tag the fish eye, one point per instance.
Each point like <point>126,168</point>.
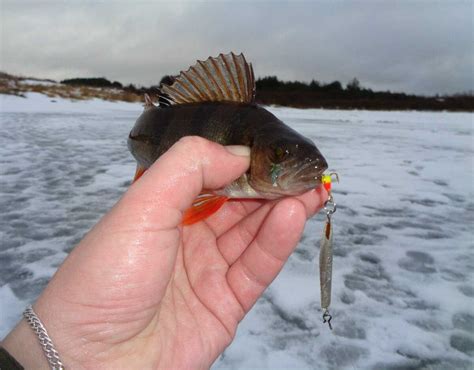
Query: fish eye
<point>280,153</point>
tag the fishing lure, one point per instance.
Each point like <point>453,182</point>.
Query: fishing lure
<point>325,252</point>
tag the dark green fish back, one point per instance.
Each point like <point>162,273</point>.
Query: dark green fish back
<point>157,129</point>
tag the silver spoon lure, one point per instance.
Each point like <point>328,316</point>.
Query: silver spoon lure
<point>326,251</point>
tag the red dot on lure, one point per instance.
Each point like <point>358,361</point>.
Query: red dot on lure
<point>327,182</point>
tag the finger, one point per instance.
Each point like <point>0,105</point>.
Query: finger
<point>234,241</point>
<point>231,213</point>
<point>259,264</point>
<point>313,200</point>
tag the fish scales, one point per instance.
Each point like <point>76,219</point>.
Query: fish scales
<point>224,123</point>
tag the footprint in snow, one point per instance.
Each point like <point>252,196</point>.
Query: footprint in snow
<point>420,262</point>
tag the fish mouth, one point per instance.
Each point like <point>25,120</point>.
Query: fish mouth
<point>293,179</point>
<point>306,177</point>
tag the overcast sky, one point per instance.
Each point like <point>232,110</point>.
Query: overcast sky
<point>422,47</point>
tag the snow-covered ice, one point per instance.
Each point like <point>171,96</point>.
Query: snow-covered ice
<point>403,287</point>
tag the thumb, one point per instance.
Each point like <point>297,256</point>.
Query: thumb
<point>175,180</point>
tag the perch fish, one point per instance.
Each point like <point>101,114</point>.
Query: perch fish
<point>215,99</point>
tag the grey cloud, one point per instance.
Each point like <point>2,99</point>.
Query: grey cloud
<point>415,46</point>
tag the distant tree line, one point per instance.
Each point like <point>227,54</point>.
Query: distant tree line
<point>315,94</point>
<point>273,83</point>
<point>353,88</point>
<point>271,90</point>
<point>93,82</point>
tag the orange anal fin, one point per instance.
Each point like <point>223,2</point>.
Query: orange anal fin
<point>204,206</point>
<point>139,172</point>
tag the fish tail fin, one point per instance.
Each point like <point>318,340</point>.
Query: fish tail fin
<point>139,172</point>
<point>204,206</point>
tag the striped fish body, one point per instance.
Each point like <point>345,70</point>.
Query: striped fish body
<point>156,130</point>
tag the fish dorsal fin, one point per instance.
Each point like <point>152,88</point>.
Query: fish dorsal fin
<point>148,102</point>
<point>225,78</point>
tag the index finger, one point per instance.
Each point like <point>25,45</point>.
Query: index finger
<point>260,263</point>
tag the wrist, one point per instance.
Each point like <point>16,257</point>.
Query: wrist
<point>23,344</point>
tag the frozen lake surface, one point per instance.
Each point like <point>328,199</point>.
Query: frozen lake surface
<point>403,286</point>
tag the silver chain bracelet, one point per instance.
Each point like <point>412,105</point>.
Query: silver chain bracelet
<point>44,339</point>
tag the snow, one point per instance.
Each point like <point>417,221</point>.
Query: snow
<point>38,82</point>
<point>403,286</point>
<point>40,103</point>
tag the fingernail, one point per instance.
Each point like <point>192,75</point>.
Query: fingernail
<point>240,150</point>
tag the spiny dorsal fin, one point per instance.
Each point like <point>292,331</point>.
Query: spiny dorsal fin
<point>148,102</point>
<point>225,78</point>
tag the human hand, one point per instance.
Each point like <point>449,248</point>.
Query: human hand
<point>141,291</point>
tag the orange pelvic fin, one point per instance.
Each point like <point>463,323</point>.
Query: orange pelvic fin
<point>204,206</point>
<point>139,172</point>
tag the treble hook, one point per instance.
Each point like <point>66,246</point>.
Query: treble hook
<point>336,176</point>
<point>327,318</point>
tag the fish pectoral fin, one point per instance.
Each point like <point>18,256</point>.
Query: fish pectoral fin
<point>226,78</point>
<point>204,206</point>
<point>139,172</point>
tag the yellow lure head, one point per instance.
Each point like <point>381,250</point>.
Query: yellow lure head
<point>327,180</point>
